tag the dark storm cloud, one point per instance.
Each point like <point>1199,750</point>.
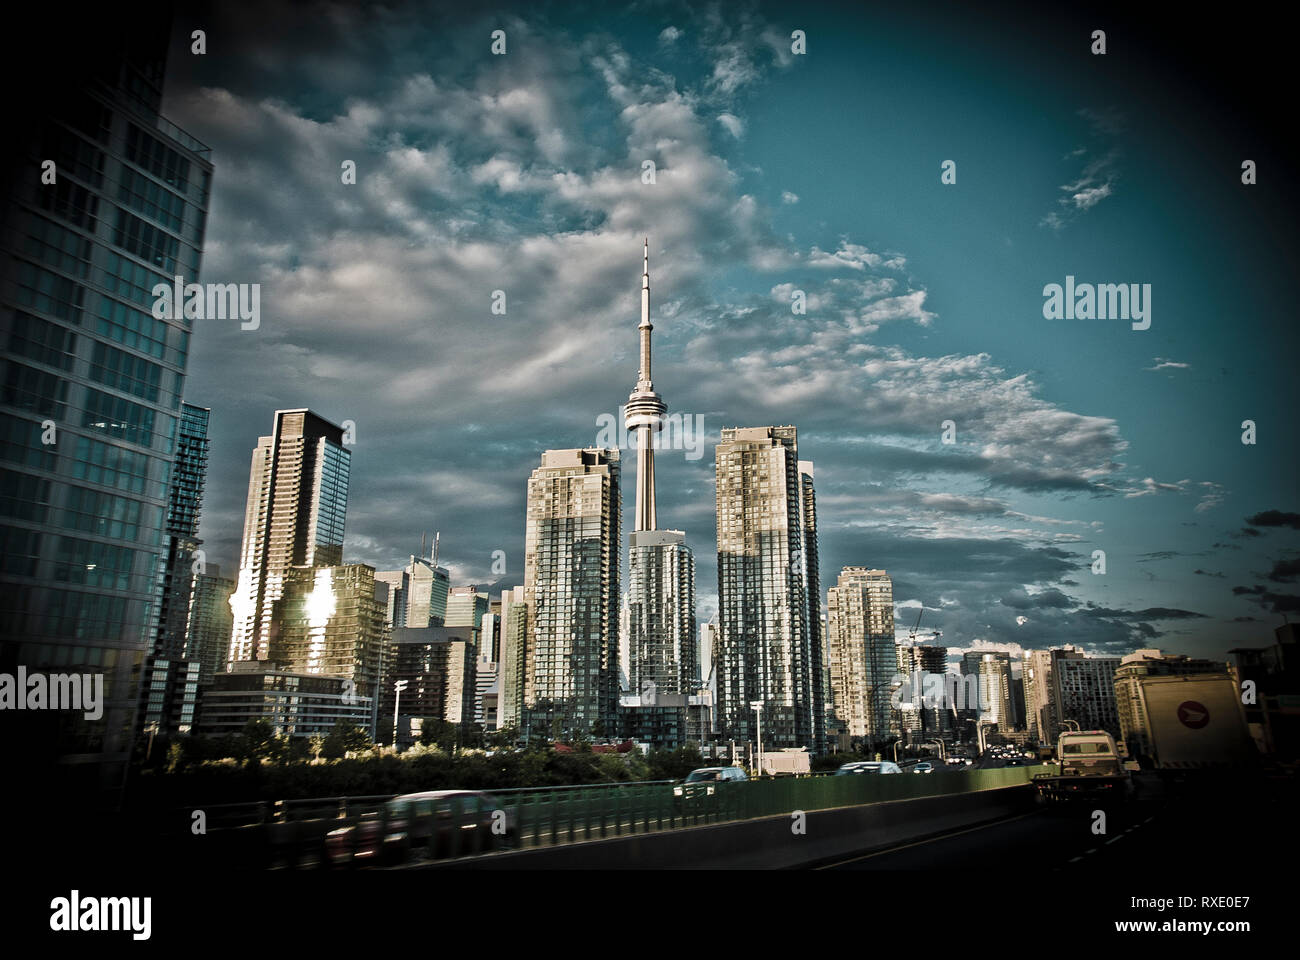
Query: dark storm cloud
<point>1269,600</point>
<point>1275,518</point>
<point>1284,571</point>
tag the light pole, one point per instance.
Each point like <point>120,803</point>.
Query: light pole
<point>979,732</point>
<point>1076,727</point>
<point>399,686</point>
<point>758,713</point>
<point>943,753</point>
<point>152,728</point>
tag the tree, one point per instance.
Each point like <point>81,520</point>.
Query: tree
<point>175,756</point>
<point>355,738</point>
<point>259,737</point>
<point>504,737</point>
<point>343,738</point>
<point>434,731</point>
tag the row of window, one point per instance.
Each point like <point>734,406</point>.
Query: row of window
<point>42,341</point>
<point>58,246</point>
<point>153,155</point>
<point>75,615</point>
<point>128,373</point>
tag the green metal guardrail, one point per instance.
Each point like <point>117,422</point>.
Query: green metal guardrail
<point>562,815</point>
<point>467,825</point>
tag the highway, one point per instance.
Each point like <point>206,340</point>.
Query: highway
<point>1207,829</point>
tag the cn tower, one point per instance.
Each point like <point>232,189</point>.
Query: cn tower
<point>661,647</point>
<point>644,413</point>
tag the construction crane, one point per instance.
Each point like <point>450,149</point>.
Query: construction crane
<point>932,634</point>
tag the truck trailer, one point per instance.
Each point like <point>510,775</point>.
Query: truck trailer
<point>1190,721</point>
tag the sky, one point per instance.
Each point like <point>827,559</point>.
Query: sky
<point>775,172</point>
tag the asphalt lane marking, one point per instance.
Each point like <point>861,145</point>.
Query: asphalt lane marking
<point>917,843</point>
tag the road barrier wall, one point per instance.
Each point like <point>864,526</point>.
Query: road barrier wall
<point>765,824</point>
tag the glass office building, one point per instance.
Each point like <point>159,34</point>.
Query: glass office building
<point>91,381</point>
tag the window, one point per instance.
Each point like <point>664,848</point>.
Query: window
<point>152,155</point>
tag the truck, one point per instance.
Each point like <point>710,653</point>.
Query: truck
<point>1190,721</point>
<point>1090,766</point>
<point>789,762</point>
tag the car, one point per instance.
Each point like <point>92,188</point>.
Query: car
<point>434,823</point>
<point>868,766</point>
<point>925,766</point>
<point>1018,762</point>
<point>703,782</point>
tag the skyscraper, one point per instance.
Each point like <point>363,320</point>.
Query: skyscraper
<point>437,664</point>
<point>417,595</point>
<point>169,697</point>
<point>466,607</point>
<point>860,650</point>
<point>1083,690</point>
<point>812,580</point>
<point>1037,681</point>
<point>207,630</point>
<point>297,503</point>
<point>90,381</point>
<point>329,621</point>
<point>661,613</point>
<point>189,473</point>
<point>924,711</point>
<point>514,647</point>
<point>661,567</point>
<point>1001,692</point>
<point>571,579</point>
<point>766,641</point>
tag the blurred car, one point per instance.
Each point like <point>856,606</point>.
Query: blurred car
<point>435,823</point>
<point>925,766</point>
<point>1018,761</point>
<point>704,781</point>
<point>868,766</point>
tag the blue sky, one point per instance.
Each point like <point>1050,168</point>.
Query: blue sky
<point>775,172</point>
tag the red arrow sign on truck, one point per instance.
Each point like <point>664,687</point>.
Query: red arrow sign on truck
<point>1193,715</point>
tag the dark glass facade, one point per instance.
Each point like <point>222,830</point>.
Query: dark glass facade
<point>90,381</point>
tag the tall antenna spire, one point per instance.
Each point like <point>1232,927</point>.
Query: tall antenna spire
<point>644,411</point>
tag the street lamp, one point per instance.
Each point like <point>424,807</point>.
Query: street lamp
<point>1076,727</point>
<point>399,686</point>
<point>943,753</point>
<point>758,713</point>
<point>979,732</point>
